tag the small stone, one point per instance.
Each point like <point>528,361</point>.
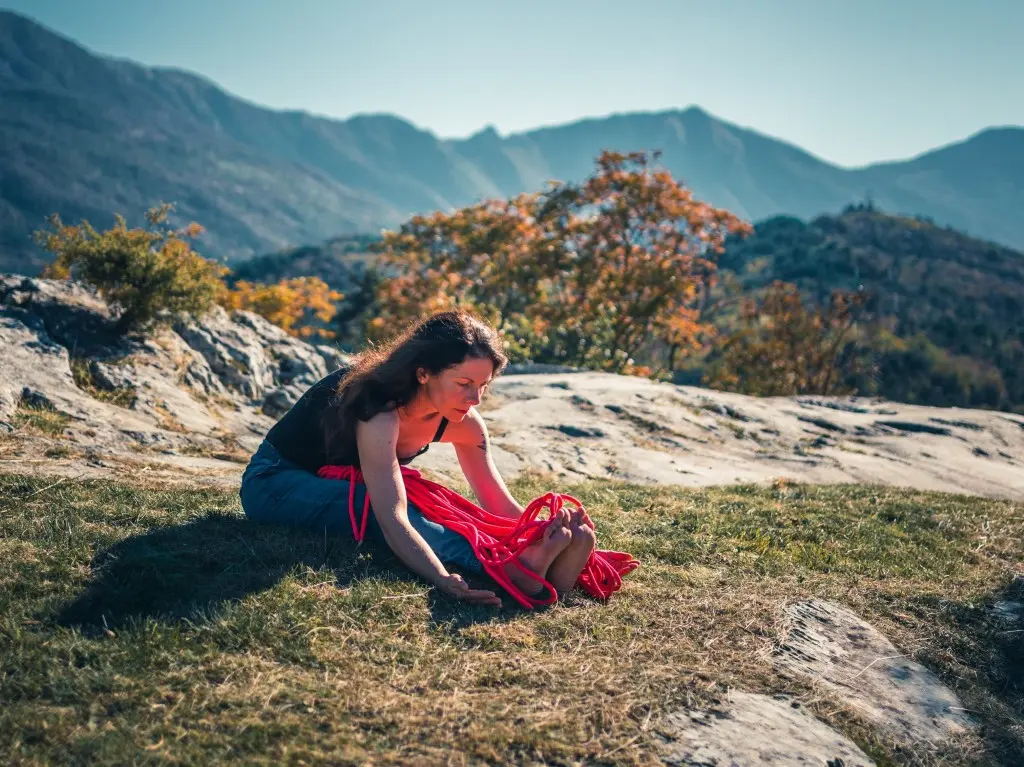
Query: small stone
<point>1011,612</point>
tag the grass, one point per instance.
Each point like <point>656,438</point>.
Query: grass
<point>229,449</point>
<point>143,625</point>
<point>40,421</point>
<point>121,396</point>
<point>61,451</point>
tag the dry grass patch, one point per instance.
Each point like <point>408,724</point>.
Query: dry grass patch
<point>39,420</point>
<point>225,448</point>
<point>166,419</point>
<point>160,622</point>
<point>82,372</point>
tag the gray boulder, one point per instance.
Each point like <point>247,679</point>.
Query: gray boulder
<point>35,371</point>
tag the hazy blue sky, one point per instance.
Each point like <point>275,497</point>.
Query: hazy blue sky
<point>853,81</point>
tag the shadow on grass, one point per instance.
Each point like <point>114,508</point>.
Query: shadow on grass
<point>181,571</point>
<point>986,636</point>
<point>1002,671</point>
<point>1009,609</point>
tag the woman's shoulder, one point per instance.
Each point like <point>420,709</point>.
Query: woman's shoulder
<point>386,420</point>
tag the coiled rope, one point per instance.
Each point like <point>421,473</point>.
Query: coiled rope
<point>496,541</point>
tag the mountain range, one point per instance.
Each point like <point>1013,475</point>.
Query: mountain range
<point>87,136</point>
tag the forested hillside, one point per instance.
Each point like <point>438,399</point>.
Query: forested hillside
<point>953,304</point>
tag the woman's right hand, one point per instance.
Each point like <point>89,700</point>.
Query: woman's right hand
<point>455,585</point>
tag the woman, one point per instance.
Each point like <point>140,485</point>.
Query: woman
<point>422,387</point>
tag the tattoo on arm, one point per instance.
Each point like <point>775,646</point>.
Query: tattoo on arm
<point>483,444</point>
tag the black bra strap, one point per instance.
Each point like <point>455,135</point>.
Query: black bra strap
<point>440,430</point>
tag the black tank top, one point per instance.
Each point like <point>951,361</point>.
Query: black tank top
<point>299,436</point>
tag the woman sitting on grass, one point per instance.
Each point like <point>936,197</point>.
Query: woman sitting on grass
<point>422,387</point>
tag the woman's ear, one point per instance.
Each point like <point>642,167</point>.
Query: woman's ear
<point>421,375</point>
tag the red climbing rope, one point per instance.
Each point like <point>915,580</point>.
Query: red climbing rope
<point>496,541</point>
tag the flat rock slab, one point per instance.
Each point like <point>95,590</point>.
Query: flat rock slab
<point>215,385</point>
<point>753,729</point>
<point>599,425</point>
<point>826,641</point>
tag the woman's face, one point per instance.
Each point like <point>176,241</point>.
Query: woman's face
<point>455,390</point>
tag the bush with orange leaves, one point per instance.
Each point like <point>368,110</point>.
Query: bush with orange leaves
<point>607,274</point>
<point>147,275</point>
<point>302,306</point>
<point>784,347</point>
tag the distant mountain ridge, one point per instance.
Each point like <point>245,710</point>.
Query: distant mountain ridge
<point>88,136</point>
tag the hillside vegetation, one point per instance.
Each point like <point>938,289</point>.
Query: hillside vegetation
<point>953,306</point>
<point>947,309</point>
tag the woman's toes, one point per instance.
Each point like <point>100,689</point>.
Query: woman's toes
<point>559,535</point>
<point>583,534</point>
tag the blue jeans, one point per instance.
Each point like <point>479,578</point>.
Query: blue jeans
<point>276,491</point>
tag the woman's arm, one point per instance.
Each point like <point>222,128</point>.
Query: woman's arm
<point>473,448</point>
<point>376,440</point>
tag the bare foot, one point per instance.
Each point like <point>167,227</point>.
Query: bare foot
<point>570,562</point>
<point>540,555</point>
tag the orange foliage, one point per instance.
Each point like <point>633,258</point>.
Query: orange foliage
<point>295,305</point>
<point>605,274</point>
<point>784,347</point>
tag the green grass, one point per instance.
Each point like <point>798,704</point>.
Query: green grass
<point>158,625</point>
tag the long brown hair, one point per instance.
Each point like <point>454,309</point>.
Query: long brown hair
<point>384,378</point>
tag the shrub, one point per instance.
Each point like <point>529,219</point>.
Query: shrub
<point>784,347</point>
<point>302,306</point>
<point>147,275</point>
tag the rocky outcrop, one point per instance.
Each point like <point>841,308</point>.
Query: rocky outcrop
<point>213,386</point>
<point>853,664</point>
<point>257,359</point>
<point>588,425</point>
<point>71,314</point>
<point>35,369</point>
<point>213,381</point>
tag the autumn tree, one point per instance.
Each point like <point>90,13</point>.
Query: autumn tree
<point>604,274</point>
<point>148,274</point>
<point>302,306</point>
<point>784,347</point>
